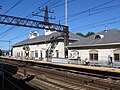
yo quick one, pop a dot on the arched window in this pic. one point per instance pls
(36, 53)
(98, 37)
(93, 55)
(116, 55)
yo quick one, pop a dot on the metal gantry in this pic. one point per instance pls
(18, 21)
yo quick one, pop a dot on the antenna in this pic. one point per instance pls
(106, 28)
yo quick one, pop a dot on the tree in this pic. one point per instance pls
(0, 52)
(87, 35)
(80, 34)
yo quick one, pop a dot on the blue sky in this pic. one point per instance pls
(84, 16)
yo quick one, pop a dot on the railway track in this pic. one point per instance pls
(48, 78)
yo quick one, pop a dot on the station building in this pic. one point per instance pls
(103, 46)
(36, 46)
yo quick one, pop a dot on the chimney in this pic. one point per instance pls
(105, 31)
(33, 34)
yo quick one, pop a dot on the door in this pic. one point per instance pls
(57, 53)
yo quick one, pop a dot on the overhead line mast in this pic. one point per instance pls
(46, 16)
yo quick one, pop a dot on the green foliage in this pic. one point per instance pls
(87, 35)
(80, 34)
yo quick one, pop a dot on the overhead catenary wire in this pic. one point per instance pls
(9, 29)
(98, 25)
(13, 6)
(93, 25)
(34, 11)
(90, 14)
(4, 2)
(12, 27)
(56, 2)
(20, 35)
(61, 4)
(86, 11)
(39, 7)
(91, 8)
(5, 32)
(11, 9)
(113, 0)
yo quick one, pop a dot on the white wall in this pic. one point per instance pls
(42, 47)
(84, 54)
(18, 50)
(59, 47)
(102, 54)
(39, 47)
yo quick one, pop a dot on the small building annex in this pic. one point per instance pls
(103, 46)
(37, 47)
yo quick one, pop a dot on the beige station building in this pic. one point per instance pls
(102, 48)
(36, 47)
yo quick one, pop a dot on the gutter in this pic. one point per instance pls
(94, 45)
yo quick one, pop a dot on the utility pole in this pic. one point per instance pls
(9, 48)
(46, 15)
(66, 13)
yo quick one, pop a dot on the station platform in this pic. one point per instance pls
(89, 69)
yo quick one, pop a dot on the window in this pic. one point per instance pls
(36, 53)
(98, 36)
(46, 53)
(18, 54)
(93, 55)
(21, 53)
(57, 53)
(117, 55)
